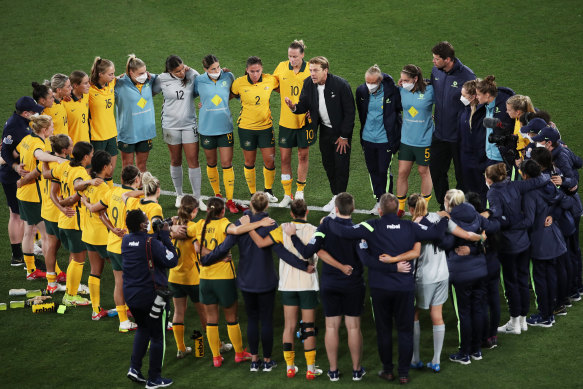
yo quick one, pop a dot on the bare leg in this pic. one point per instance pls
(426, 183)
(331, 340)
(354, 340)
(141, 160)
(126, 159)
(303, 163)
(191, 152)
(403, 177)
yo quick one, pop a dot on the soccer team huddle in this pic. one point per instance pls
(516, 211)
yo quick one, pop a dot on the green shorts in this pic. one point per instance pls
(30, 212)
(108, 145)
(140, 147)
(211, 142)
(421, 155)
(52, 229)
(72, 241)
(115, 259)
(251, 139)
(222, 292)
(179, 291)
(305, 299)
(293, 137)
(100, 249)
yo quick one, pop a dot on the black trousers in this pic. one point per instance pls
(336, 165)
(389, 305)
(259, 307)
(544, 275)
(150, 331)
(469, 301)
(493, 305)
(442, 153)
(378, 159)
(516, 272)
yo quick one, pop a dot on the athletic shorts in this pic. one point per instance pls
(347, 302)
(305, 299)
(178, 137)
(52, 228)
(180, 291)
(109, 145)
(222, 292)
(211, 142)
(72, 241)
(30, 212)
(100, 249)
(421, 155)
(303, 137)
(140, 147)
(10, 192)
(250, 140)
(115, 259)
(428, 295)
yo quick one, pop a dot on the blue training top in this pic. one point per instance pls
(135, 116)
(214, 117)
(418, 125)
(374, 128)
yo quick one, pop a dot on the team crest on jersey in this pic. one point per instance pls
(332, 95)
(421, 96)
(454, 84)
(497, 110)
(266, 88)
(436, 78)
(8, 140)
(224, 83)
(388, 101)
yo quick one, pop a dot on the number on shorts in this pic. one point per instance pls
(310, 134)
(427, 154)
(230, 136)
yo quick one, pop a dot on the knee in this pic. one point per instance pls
(303, 155)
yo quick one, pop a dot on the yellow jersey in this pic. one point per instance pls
(60, 175)
(522, 141)
(95, 232)
(59, 115)
(216, 232)
(151, 208)
(49, 210)
(255, 112)
(290, 85)
(101, 109)
(30, 192)
(116, 212)
(187, 270)
(78, 118)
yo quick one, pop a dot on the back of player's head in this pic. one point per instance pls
(444, 50)
(100, 66)
(209, 60)
(530, 168)
(215, 207)
(40, 122)
(453, 198)
(345, 203)
(187, 205)
(418, 204)
(150, 183)
(475, 199)
(60, 142)
(172, 62)
(40, 91)
(253, 60)
(77, 77)
(80, 150)
(322, 61)
(259, 202)
(134, 220)
(487, 85)
(389, 203)
(298, 44)
(100, 160)
(299, 208)
(496, 172)
(129, 174)
(543, 157)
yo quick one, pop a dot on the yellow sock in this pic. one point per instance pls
(250, 178)
(213, 175)
(310, 357)
(94, 284)
(122, 313)
(57, 268)
(300, 186)
(229, 181)
(402, 202)
(289, 357)
(51, 278)
(287, 185)
(212, 335)
(269, 177)
(427, 197)
(235, 335)
(178, 330)
(29, 260)
(74, 273)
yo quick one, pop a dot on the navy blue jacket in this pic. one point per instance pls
(339, 103)
(391, 110)
(537, 204)
(472, 138)
(138, 286)
(341, 249)
(505, 203)
(15, 129)
(568, 162)
(468, 268)
(447, 87)
(391, 235)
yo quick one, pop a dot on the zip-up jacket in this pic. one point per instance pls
(472, 136)
(15, 129)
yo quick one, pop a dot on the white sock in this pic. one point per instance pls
(438, 335)
(194, 177)
(416, 336)
(176, 175)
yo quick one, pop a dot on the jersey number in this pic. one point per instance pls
(108, 103)
(257, 100)
(295, 90)
(115, 215)
(83, 118)
(180, 95)
(208, 245)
